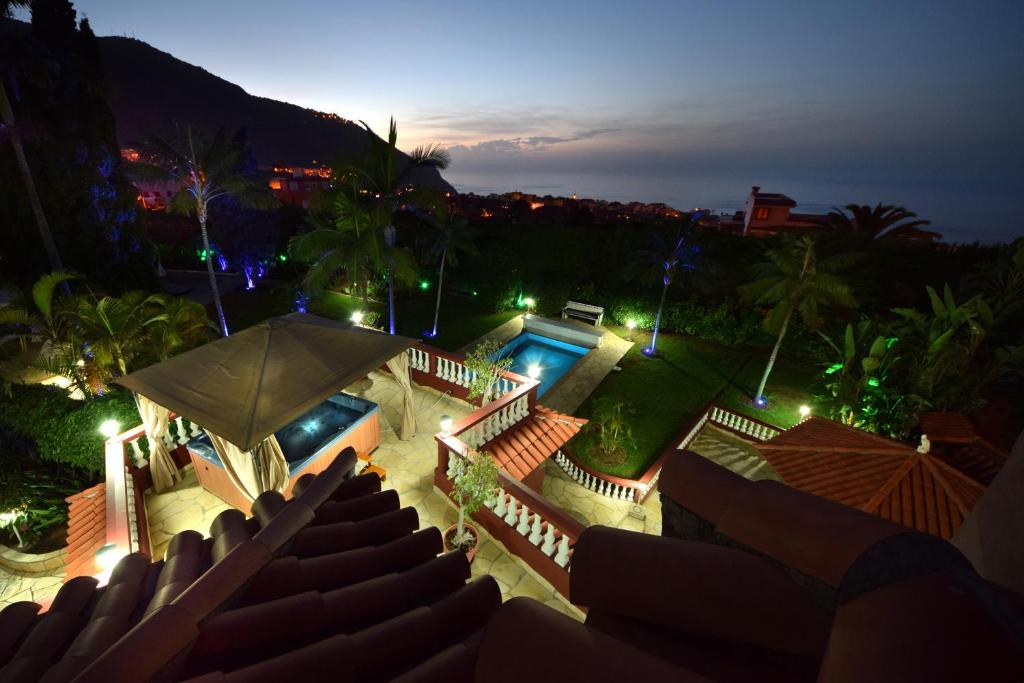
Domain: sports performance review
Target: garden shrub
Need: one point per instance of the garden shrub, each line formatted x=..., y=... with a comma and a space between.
x=65, y=430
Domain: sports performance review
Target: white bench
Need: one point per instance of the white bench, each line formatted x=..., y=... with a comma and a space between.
x=575, y=309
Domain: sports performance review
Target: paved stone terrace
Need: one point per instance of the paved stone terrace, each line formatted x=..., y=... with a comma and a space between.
x=16, y=587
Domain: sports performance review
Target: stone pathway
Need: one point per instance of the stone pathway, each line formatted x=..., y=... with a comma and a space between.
x=186, y=505
x=410, y=471
x=503, y=333
x=570, y=393
x=589, y=508
x=733, y=453
x=15, y=587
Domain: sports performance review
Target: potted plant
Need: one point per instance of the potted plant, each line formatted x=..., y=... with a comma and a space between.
x=487, y=368
x=474, y=482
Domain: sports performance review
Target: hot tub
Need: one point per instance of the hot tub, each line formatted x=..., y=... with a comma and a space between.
x=310, y=443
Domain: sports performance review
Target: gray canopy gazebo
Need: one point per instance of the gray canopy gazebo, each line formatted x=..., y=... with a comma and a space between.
x=243, y=388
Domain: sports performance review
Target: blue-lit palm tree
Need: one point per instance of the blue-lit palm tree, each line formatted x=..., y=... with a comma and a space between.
x=207, y=171
x=663, y=262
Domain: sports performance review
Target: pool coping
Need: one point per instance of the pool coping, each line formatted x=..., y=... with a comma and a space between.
x=597, y=363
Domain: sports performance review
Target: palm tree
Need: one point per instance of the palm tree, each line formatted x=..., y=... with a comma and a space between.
x=794, y=281
x=451, y=236
x=880, y=221
x=11, y=131
x=661, y=262
x=207, y=172
x=347, y=242
x=118, y=328
x=386, y=190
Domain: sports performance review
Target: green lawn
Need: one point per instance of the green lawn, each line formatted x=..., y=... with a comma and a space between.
x=669, y=391
x=462, y=319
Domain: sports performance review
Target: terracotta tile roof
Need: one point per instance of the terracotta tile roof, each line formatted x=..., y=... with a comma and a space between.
x=979, y=460
x=945, y=427
x=928, y=495
x=872, y=473
x=956, y=441
x=818, y=432
x=525, y=447
x=87, y=530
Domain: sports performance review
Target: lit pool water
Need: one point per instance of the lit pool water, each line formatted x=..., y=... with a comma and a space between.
x=554, y=357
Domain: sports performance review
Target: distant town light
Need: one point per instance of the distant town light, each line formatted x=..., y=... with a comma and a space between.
x=533, y=372
x=282, y=257
x=424, y=284
x=357, y=317
x=805, y=410
x=110, y=428
x=446, y=424
x=630, y=324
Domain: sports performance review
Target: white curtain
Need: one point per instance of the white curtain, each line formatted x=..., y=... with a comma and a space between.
x=272, y=465
x=273, y=468
x=156, y=418
x=399, y=367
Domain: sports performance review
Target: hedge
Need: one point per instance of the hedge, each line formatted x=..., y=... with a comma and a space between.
x=65, y=430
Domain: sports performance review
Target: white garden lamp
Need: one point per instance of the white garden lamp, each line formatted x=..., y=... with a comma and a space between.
x=357, y=317
x=533, y=372
x=110, y=428
x=446, y=424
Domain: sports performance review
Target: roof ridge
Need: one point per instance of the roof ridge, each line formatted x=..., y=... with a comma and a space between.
x=901, y=472
x=941, y=471
x=768, y=445
x=885, y=442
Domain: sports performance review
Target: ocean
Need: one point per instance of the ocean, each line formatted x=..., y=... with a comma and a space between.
x=960, y=216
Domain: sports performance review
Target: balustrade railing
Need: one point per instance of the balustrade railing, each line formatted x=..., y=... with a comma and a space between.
x=526, y=522
x=606, y=485
x=446, y=371
x=741, y=424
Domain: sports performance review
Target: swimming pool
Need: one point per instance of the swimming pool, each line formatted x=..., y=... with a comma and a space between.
x=554, y=357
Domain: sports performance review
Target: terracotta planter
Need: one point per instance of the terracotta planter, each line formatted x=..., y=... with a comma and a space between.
x=450, y=531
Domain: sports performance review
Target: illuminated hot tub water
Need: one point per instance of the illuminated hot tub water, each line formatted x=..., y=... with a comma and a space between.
x=304, y=438
x=554, y=358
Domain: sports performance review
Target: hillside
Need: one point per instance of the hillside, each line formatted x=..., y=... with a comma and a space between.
x=151, y=90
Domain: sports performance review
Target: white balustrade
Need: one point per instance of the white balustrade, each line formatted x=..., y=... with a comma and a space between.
x=182, y=434
x=419, y=360
x=137, y=455
x=500, y=508
x=510, y=516
x=535, y=535
x=562, y=557
x=524, y=521
x=196, y=430
x=549, y=541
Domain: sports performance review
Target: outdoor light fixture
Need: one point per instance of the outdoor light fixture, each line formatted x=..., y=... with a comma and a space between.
x=424, y=284
x=530, y=303
x=760, y=402
x=107, y=558
x=446, y=424
x=110, y=428
x=630, y=324
x=805, y=410
x=533, y=372
x=357, y=317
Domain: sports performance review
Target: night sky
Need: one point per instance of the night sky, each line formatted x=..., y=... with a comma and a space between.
x=920, y=101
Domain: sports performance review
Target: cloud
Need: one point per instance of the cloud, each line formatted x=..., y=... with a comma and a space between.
x=527, y=144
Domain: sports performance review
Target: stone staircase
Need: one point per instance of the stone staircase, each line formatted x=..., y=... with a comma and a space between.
x=735, y=454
